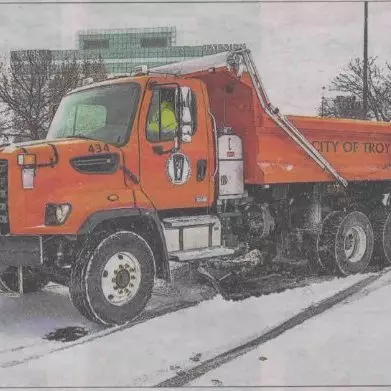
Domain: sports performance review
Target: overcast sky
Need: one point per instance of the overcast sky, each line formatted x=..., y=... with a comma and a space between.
x=298, y=47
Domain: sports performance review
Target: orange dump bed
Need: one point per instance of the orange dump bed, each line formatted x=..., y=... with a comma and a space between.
x=358, y=150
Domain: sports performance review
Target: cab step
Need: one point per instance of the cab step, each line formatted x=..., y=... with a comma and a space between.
x=200, y=254
x=189, y=221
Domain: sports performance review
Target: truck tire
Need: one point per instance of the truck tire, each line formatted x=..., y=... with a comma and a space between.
x=381, y=224
x=311, y=253
x=112, y=282
x=76, y=286
x=346, y=242
x=33, y=279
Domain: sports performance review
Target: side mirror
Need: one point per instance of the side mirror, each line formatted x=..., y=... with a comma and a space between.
x=186, y=133
x=185, y=93
x=186, y=116
x=187, y=121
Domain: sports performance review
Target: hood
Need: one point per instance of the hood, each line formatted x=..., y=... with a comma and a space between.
x=51, y=152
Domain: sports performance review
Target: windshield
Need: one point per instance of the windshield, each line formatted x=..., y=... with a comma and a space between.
x=103, y=113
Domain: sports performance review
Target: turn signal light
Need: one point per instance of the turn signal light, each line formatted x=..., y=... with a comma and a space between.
x=27, y=159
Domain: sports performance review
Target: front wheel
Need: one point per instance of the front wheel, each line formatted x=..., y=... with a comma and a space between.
x=114, y=282
x=346, y=242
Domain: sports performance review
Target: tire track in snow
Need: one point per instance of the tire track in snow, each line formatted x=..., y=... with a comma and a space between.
x=190, y=374
x=32, y=352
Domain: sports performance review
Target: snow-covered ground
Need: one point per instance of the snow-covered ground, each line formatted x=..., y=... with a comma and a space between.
x=27, y=321
x=148, y=353
x=349, y=345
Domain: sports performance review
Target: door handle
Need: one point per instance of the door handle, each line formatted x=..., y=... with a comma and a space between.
x=201, y=169
x=158, y=150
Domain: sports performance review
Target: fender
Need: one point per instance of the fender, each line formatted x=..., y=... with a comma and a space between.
x=148, y=225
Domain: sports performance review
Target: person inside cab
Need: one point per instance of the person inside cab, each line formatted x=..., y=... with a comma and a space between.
x=165, y=128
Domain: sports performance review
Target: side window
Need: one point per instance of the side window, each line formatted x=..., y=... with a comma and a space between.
x=162, y=123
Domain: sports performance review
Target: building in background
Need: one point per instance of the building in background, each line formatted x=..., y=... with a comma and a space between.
x=123, y=49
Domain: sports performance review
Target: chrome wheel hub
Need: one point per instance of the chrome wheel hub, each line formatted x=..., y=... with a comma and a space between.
x=355, y=244
x=121, y=278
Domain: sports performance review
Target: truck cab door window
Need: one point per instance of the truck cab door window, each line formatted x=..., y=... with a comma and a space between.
x=162, y=123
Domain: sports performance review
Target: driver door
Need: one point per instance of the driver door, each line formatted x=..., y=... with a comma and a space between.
x=179, y=179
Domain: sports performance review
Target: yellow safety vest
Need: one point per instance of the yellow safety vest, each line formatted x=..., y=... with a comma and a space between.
x=167, y=118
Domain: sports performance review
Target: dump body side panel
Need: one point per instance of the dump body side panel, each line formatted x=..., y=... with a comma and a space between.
x=359, y=150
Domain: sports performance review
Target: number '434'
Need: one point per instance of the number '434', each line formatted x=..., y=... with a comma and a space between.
x=96, y=148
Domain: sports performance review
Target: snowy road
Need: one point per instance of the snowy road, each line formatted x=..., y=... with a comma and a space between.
x=44, y=322
x=347, y=346
x=155, y=351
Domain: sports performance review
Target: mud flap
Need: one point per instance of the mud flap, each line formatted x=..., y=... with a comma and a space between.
x=222, y=273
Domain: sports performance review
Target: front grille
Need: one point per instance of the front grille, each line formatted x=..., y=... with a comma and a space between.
x=4, y=216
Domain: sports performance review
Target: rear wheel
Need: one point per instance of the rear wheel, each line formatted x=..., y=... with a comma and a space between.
x=113, y=284
x=381, y=223
x=346, y=243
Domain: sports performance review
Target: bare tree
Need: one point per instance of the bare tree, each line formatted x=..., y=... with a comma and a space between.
x=24, y=90
x=350, y=83
x=342, y=106
x=33, y=84
x=95, y=69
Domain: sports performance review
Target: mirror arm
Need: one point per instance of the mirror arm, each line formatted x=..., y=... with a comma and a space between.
x=178, y=135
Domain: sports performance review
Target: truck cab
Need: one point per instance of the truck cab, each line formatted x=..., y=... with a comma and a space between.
x=133, y=158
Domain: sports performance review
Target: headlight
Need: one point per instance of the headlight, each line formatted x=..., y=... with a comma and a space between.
x=57, y=214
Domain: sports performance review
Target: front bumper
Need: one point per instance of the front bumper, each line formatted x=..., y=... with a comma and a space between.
x=21, y=250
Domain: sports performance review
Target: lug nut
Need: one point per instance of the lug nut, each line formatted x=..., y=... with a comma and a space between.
x=105, y=273
x=110, y=297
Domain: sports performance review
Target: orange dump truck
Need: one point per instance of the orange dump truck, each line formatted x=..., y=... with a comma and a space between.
x=186, y=163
